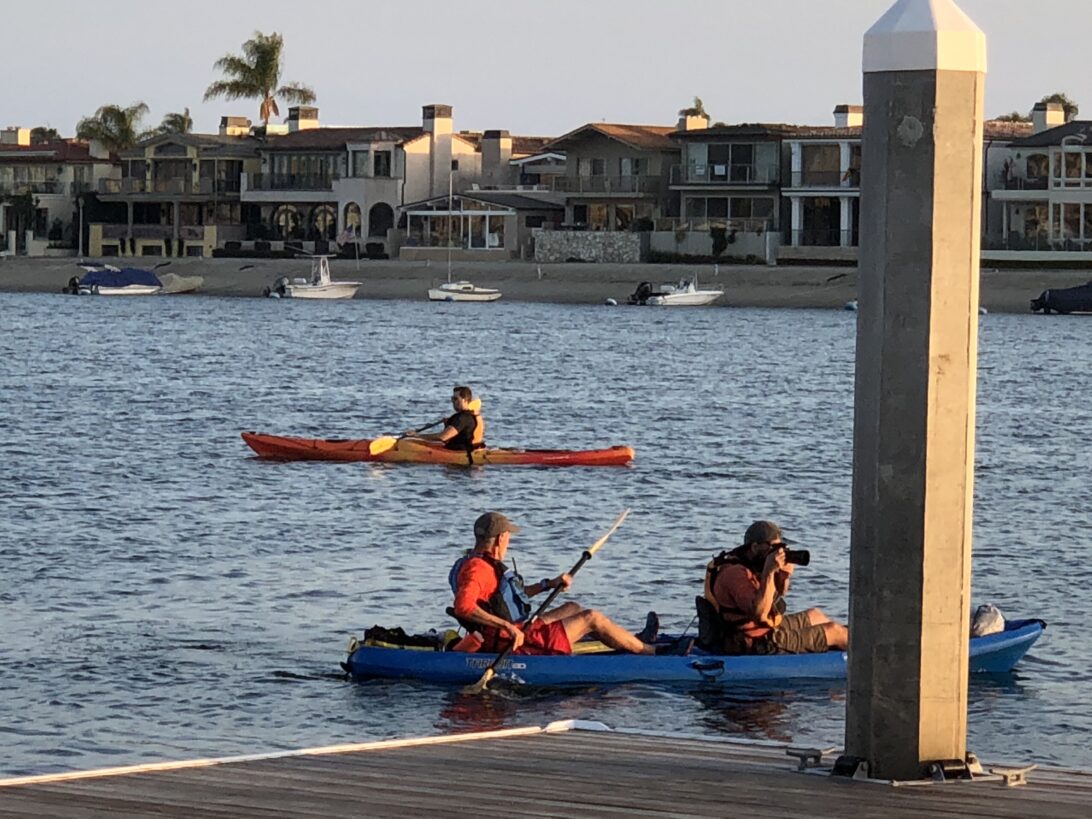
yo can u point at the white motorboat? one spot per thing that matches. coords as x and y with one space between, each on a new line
684 294
108 280
318 286
462 291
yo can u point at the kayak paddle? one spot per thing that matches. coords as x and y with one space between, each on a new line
491 672
380 445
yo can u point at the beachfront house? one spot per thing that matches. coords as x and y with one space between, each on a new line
1042 194
42 188
178 193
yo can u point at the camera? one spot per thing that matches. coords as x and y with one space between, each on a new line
798 557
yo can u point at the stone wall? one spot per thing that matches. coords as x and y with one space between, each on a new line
590 246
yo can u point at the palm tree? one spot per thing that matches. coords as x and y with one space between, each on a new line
176 123
1071 108
115 127
256 74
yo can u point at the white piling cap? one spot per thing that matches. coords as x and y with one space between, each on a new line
925 35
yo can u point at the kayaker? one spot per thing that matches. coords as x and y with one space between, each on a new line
743 608
492 600
465 430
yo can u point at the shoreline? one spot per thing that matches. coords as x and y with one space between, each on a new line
1007 291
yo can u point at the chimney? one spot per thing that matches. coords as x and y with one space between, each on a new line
437 122
302 118
1046 115
496 154
15 136
96 150
234 126
848 116
690 122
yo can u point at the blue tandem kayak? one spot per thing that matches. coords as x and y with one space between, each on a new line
995 653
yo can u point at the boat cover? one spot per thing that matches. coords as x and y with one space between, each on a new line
120 278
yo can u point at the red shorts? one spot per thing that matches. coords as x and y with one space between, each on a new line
545 638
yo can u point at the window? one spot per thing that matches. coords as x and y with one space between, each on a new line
821 165
695 208
623 217
717 207
632 166
382 163
599 167
580 214
539 221
360 163
1071 216
597 217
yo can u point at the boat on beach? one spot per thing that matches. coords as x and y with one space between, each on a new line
102 279
415 451
685 293
1066 300
462 291
318 286
993 654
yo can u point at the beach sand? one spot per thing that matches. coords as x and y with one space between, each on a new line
744 285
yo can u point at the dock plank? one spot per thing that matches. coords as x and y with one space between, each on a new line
577 773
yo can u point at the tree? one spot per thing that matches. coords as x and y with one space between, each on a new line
1071 108
43 134
176 123
256 74
115 127
22 211
695 110
1012 116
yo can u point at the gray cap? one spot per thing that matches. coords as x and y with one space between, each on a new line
764 531
492 524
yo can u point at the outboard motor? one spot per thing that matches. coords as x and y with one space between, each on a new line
278 290
641 294
73 286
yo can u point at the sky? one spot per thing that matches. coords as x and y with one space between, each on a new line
534 68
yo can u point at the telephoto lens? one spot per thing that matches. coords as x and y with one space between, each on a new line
801 557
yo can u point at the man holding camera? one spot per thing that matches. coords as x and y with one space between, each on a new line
743 609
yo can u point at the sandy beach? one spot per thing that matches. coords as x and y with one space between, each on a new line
744 285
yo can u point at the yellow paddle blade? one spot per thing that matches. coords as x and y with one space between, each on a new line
481 684
618 521
380 445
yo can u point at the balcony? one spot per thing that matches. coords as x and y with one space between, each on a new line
291 182
177 186
608 185
190 232
21 186
696 173
703 224
1040 241
827 179
1030 183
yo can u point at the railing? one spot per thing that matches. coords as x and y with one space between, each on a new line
716 174
607 184
703 224
1031 183
77 188
19 186
1039 241
191 232
827 179
820 238
291 182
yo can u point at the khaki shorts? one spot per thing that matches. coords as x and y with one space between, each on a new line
796 636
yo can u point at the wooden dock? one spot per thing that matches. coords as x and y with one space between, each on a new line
551 771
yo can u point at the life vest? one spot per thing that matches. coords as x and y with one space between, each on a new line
477 437
732 626
510 601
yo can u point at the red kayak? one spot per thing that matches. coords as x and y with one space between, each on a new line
409 450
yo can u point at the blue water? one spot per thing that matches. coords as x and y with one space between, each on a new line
165 595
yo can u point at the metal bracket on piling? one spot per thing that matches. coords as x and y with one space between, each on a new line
1013 777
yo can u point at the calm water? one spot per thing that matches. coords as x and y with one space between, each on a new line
164 595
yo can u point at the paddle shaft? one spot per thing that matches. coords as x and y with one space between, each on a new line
584 558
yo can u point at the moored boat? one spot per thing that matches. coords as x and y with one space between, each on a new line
409 450
107 280
462 291
994 653
1065 300
318 286
684 294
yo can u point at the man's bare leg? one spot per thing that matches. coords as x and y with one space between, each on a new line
590 621
561 612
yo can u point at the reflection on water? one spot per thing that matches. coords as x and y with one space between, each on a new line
166 596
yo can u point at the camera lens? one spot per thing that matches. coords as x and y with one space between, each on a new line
799 557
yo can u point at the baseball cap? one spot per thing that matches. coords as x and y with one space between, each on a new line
492 524
764 531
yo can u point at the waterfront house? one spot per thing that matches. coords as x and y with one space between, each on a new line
180 194
56 175
1043 192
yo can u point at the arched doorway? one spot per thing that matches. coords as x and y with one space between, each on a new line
323 222
286 223
380 220
353 218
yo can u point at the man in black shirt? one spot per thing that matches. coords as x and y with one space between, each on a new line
465 430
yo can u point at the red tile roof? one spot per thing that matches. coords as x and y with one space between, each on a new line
645 137
49 153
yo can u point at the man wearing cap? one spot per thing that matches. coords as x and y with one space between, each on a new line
747 588
491 599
